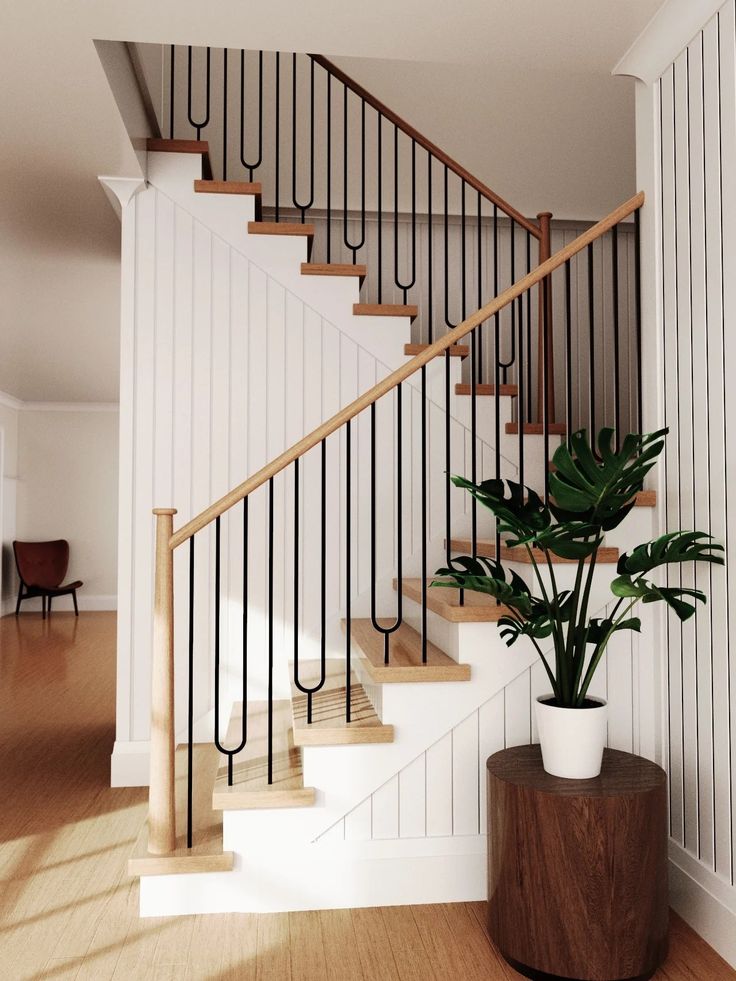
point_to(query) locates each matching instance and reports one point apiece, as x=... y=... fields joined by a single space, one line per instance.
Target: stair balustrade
x=377 y=428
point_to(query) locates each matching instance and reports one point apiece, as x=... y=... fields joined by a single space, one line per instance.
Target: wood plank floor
x=69 y=911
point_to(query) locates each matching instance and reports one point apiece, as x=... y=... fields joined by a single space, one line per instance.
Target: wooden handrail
x=430 y=147
x=405 y=371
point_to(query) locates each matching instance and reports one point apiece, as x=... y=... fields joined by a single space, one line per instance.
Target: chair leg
x=76 y=608
x=49 y=606
x=43 y=607
x=20 y=599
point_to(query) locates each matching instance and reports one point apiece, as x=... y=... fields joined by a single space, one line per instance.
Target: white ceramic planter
x=572 y=740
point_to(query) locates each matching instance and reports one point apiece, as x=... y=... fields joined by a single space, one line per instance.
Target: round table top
x=622 y=774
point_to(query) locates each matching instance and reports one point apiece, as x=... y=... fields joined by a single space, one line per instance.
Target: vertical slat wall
x=697 y=178
x=442 y=793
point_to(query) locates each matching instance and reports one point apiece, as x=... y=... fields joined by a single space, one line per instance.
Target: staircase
x=352 y=705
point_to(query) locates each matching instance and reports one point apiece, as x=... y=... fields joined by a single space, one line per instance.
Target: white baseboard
x=336 y=876
x=64 y=604
x=705 y=901
x=130 y=764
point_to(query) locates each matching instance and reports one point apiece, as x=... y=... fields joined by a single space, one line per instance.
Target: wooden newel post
x=545 y=325
x=161 y=805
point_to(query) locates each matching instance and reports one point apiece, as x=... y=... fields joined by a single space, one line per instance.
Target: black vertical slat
x=545 y=382
x=190 y=697
x=591 y=346
x=329 y=167
x=172 y=89
x=616 y=341
x=277 y=125
x=379 y=208
x=199 y=125
x=430 y=227
x=348 y=569
x=354 y=247
x=270 y=631
x=424 y=512
x=568 y=354
x=251 y=166
x=224 y=114
x=405 y=287
x=305 y=206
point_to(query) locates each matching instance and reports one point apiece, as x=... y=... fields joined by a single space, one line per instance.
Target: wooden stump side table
x=577 y=873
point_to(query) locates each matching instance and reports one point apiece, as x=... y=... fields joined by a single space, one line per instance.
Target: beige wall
x=67 y=488
x=9 y=440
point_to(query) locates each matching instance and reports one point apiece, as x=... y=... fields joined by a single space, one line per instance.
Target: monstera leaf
x=520 y=513
x=602 y=491
x=482 y=575
x=649 y=592
x=675 y=547
x=599 y=630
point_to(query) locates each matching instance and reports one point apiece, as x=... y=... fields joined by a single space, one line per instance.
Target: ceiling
x=531 y=63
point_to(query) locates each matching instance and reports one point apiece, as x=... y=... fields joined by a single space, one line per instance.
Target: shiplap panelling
x=222 y=369
x=696 y=139
x=442 y=793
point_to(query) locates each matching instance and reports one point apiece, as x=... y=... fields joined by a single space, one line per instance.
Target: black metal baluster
x=424 y=513
x=224 y=114
x=217 y=741
x=251 y=166
x=199 y=126
x=348 y=570
x=430 y=236
x=171 y=97
x=294 y=163
x=637 y=295
x=473 y=442
x=354 y=248
x=277 y=178
x=387 y=631
x=305 y=689
x=405 y=287
x=512 y=246
x=448 y=472
x=616 y=355
x=520 y=399
x=529 y=386
x=479 y=330
x=545 y=384
x=270 y=631
x=190 y=700
x=568 y=354
x=379 y=192
x=448 y=322
x=591 y=343
x=329 y=167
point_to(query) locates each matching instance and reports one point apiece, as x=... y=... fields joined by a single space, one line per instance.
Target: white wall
x=9 y=410
x=686 y=158
x=67 y=488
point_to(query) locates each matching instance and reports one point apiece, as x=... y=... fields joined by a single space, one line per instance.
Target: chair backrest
x=42 y=564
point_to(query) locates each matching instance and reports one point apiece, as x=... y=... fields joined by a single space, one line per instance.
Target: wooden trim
x=385 y=310
x=455 y=350
x=431 y=351
x=517 y=553
x=161 y=800
x=333 y=269
x=508 y=391
x=536 y=428
x=430 y=147
x=280 y=228
x=228 y=187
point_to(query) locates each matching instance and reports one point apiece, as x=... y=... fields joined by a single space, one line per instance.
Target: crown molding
x=11 y=402
x=668 y=33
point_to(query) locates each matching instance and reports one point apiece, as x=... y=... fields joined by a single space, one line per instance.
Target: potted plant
x=590 y=494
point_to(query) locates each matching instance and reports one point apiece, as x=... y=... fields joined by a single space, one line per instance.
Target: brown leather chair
x=42 y=567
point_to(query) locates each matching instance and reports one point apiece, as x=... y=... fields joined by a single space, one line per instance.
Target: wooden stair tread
x=328 y=726
x=385 y=310
x=183 y=146
x=445 y=602
x=405 y=656
x=483 y=389
x=228 y=187
x=456 y=350
x=334 y=269
x=251 y=788
x=280 y=228
x=536 y=428
x=518 y=553
x=206 y=853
